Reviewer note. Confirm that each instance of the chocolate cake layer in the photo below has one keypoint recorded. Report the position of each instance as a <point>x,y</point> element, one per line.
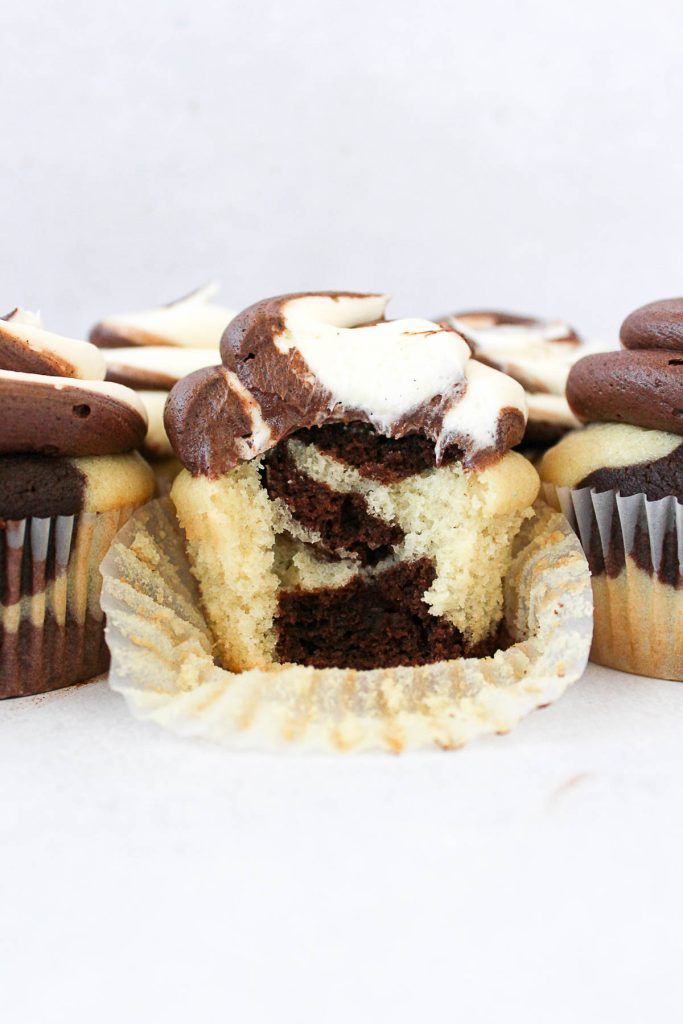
<point>656,479</point>
<point>614,561</point>
<point>371,621</point>
<point>343,520</point>
<point>21,574</point>
<point>39,485</point>
<point>38,659</point>
<point>385,459</point>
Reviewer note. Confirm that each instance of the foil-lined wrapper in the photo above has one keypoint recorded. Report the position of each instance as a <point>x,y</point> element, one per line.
<point>638,606</point>
<point>51,621</point>
<point>163,664</point>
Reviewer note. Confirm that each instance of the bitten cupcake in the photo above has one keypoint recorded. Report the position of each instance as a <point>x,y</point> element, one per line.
<point>152,349</point>
<point>349,498</point>
<point>69,478</point>
<point>538,354</point>
<point>621,482</point>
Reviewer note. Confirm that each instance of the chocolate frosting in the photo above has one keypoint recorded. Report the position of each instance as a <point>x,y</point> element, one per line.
<point>657,325</point>
<point>643,388</point>
<point>265,389</point>
<point>54,398</point>
<point>65,420</point>
<point>19,357</point>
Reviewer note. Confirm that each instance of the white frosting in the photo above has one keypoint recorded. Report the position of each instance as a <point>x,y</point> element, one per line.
<point>25,316</point>
<point>117,392</point>
<point>476,414</point>
<point>193,321</point>
<point>533,354</point>
<point>260,437</point>
<point>84,361</point>
<point>388,370</point>
<point>544,408</point>
<point>174,363</point>
<point>156,440</point>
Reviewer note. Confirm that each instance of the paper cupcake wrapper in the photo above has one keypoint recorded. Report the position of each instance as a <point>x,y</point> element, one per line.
<point>52,635</point>
<point>638,619</point>
<point>162,658</point>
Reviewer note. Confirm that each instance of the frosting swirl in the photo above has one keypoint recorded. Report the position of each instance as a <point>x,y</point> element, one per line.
<point>54,398</point>
<point>643,384</point>
<point>537,353</point>
<point>314,358</point>
<point>193,321</point>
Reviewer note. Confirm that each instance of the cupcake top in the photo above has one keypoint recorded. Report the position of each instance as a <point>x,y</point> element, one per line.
<point>193,321</point>
<point>643,384</point>
<point>156,367</point>
<point>55,399</point>
<point>537,353</point>
<point>633,402</point>
<point>64,428</point>
<point>316,358</point>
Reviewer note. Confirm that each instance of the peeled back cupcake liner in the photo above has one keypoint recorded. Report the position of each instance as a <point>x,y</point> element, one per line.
<point>638,604</point>
<point>51,622</point>
<point>163,664</point>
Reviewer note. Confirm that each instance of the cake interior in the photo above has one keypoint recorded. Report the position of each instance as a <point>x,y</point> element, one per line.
<point>342,548</point>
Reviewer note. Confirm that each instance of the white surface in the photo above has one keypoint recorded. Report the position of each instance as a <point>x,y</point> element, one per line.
<point>518,154</point>
<point>531,877</point>
<point>524,155</point>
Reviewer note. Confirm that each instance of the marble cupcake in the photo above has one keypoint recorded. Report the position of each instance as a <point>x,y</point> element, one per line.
<point>69,479</point>
<point>349,496</point>
<point>537,353</point>
<point>151,350</point>
<point>621,482</point>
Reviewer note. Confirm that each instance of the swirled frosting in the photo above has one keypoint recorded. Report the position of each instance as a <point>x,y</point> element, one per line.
<point>54,398</point>
<point>191,322</point>
<point>315,358</point>
<point>643,384</point>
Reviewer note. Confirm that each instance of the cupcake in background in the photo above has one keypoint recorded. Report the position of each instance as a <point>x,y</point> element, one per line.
<point>69,478</point>
<point>151,350</point>
<point>620,482</point>
<point>538,354</point>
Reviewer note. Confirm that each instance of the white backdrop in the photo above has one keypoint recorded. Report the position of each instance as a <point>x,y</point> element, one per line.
<point>522,153</point>
<point>526,154</point>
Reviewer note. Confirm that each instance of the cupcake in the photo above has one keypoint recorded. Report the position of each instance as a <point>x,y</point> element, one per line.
<point>69,478</point>
<point>151,350</point>
<point>621,483</point>
<point>538,354</point>
<point>349,497</point>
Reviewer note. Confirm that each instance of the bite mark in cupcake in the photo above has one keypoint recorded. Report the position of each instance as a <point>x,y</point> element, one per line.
<point>339,468</point>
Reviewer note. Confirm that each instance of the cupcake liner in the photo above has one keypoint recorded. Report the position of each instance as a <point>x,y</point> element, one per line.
<point>51,622</point>
<point>162,659</point>
<point>635,550</point>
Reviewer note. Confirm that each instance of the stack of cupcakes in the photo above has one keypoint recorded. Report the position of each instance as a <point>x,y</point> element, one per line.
<point>152,349</point>
<point>620,482</point>
<point>69,479</point>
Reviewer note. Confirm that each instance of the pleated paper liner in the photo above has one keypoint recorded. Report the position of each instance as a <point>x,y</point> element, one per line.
<point>162,656</point>
<point>51,622</point>
<point>638,617</point>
